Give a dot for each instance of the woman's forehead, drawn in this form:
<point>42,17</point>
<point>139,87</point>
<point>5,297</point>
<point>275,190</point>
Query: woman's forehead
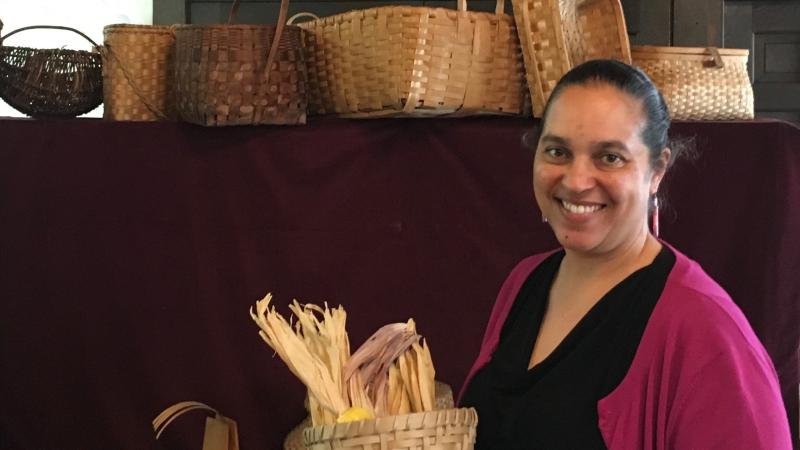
<point>596,111</point>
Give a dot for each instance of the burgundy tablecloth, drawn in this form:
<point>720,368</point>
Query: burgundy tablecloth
<point>131,252</point>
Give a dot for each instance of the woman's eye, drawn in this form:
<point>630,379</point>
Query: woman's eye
<point>611,159</point>
<point>555,152</point>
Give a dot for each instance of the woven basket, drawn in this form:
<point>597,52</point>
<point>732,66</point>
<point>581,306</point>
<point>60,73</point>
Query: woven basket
<point>557,35</point>
<point>415,61</point>
<point>449,429</point>
<point>50,82</point>
<point>294,440</point>
<point>699,83</point>
<point>240,74</point>
<point>137,72</point>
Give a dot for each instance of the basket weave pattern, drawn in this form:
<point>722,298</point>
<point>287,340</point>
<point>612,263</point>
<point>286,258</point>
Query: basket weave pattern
<point>693,88</point>
<point>557,35</point>
<point>137,72</point>
<point>451,429</point>
<point>414,61</point>
<point>220,75</point>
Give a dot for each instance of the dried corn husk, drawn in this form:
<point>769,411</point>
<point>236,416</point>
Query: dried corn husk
<point>301,353</point>
<point>373,359</point>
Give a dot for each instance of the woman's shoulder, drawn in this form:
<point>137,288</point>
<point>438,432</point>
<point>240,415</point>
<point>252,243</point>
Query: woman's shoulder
<point>695,312</point>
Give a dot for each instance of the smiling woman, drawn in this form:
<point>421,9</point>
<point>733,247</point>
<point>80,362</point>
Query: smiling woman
<point>617,340</point>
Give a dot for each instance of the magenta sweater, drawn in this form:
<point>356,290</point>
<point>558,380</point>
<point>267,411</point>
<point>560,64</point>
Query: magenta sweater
<point>700,378</point>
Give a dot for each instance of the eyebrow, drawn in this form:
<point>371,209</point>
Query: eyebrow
<point>555,139</point>
<point>613,144</point>
<point>604,145</point>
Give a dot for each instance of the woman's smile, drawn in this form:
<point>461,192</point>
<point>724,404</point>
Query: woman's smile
<point>579,210</point>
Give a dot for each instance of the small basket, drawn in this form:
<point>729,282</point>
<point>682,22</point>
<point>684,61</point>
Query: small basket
<point>411,61</point>
<point>557,35</point>
<point>448,429</point>
<point>443,399</point>
<point>50,82</point>
<point>240,74</point>
<point>137,72</point>
<point>699,83</point>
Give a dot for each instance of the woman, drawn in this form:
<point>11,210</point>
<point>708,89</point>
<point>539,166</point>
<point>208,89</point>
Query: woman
<point>617,340</point>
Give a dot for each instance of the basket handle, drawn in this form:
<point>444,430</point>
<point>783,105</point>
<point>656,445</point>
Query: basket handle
<point>301,15</point>
<point>276,39</point>
<point>52,27</point>
<point>233,12</point>
<point>716,57</point>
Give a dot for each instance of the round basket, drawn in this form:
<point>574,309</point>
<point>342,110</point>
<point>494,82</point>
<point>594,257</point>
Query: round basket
<point>137,72</point>
<point>50,82</point>
<point>448,429</point>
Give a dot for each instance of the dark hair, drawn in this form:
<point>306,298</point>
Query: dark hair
<point>632,81</point>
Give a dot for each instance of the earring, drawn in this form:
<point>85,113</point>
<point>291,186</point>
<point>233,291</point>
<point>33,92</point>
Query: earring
<point>544,219</point>
<point>654,216</point>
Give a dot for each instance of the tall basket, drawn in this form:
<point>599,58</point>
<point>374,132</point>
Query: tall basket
<point>137,72</point>
<point>414,62</point>
<point>240,74</point>
<point>557,35</point>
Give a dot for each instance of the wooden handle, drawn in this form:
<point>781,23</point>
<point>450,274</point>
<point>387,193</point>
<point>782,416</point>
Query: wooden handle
<point>301,15</point>
<point>273,50</point>
<point>233,12</point>
<point>717,58</point>
<point>52,27</point>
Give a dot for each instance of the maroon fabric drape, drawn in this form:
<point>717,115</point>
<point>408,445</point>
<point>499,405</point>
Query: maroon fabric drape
<point>130,254</point>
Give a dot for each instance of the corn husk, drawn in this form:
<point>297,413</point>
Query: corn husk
<point>309,353</point>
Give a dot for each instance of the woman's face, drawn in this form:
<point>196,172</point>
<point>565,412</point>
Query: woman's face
<point>592,175</point>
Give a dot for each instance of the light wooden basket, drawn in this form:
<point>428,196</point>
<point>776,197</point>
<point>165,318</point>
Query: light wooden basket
<point>557,35</point>
<point>449,429</point>
<point>415,62</point>
<point>699,83</point>
<point>137,72</point>
<point>240,74</point>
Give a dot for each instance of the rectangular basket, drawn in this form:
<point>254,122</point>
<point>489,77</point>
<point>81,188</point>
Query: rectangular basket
<point>415,62</point>
<point>137,72</point>
<point>699,83</point>
<point>240,74</point>
<point>557,35</point>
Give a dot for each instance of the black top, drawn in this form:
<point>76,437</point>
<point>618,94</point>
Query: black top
<point>554,404</point>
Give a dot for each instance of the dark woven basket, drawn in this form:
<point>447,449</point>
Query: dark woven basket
<point>50,82</point>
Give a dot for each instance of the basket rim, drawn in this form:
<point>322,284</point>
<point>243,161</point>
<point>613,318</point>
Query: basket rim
<point>262,26</point>
<point>699,51</point>
<point>127,27</point>
<point>469,412</point>
<point>67,51</point>
<point>416,9</point>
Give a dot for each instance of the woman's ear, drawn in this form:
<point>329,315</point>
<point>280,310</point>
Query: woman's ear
<point>660,169</point>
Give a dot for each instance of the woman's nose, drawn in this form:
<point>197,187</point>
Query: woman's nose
<point>579,176</point>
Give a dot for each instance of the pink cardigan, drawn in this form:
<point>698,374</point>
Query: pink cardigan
<point>700,378</point>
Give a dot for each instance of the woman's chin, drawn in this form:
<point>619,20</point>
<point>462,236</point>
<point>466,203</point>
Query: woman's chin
<point>578,242</point>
